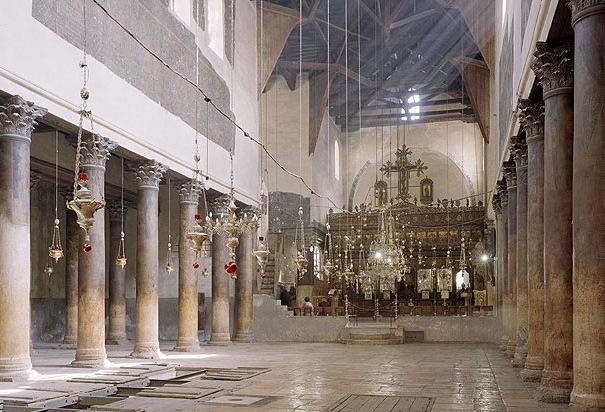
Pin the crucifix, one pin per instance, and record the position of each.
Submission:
(404, 168)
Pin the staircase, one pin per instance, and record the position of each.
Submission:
(372, 335)
(268, 285)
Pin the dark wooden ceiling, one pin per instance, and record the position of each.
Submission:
(400, 48)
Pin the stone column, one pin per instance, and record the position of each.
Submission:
(554, 68)
(588, 20)
(72, 247)
(220, 282)
(519, 149)
(244, 285)
(17, 120)
(511, 187)
(90, 350)
(117, 277)
(504, 265)
(147, 344)
(497, 207)
(187, 340)
(532, 119)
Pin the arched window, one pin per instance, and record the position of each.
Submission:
(336, 160)
(216, 26)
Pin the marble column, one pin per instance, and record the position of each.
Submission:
(497, 207)
(519, 149)
(244, 284)
(554, 69)
(531, 116)
(117, 277)
(90, 349)
(187, 340)
(511, 188)
(148, 175)
(504, 265)
(220, 282)
(72, 247)
(17, 120)
(588, 20)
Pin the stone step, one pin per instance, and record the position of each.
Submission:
(378, 336)
(388, 341)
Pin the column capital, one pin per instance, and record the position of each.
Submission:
(34, 179)
(496, 205)
(148, 173)
(519, 151)
(18, 116)
(581, 9)
(220, 205)
(501, 187)
(510, 175)
(553, 66)
(531, 117)
(114, 208)
(189, 191)
(95, 150)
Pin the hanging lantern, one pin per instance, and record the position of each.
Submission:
(85, 206)
(56, 251)
(231, 269)
(121, 258)
(262, 255)
(197, 236)
(300, 259)
(462, 255)
(169, 268)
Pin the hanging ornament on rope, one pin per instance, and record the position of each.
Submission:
(299, 243)
(55, 251)
(262, 255)
(121, 257)
(329, 253)
(83, 203)
(169, 268)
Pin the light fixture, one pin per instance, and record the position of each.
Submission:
(121, 257)
(262, 255)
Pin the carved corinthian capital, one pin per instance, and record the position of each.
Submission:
(114, 208)
(553, 66)
(496, 202)
(18, 116)
(501, 185)
(96, 149)
(148, 173)
(584, 8)
(189, 191)
(510, 174)
(519, 151)
(531, 116)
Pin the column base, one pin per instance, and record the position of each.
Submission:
(533, 369)
(243, 337)
(89, 358)
(116, 340)
(519, 357)
(587, 402)
(555, 388)
(146, 351)
(510, 350)
(503, 344)
(220, 339)
(70, 340)
(15, 369)
(187, 345)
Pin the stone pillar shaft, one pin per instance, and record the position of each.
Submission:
(147, 343)
(220, 291)
(520, 150)
(532, 118)
(90, 350)
(17, 119)
(512, 259)
(117, 279)
(187, 340)
(554, 69)
(588, 207)
(72, 247)
(244, 287)
(506, 298)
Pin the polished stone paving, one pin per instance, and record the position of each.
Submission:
(314, 376)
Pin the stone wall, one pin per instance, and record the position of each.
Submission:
(452, 328)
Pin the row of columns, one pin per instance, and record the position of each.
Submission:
(550, 219)
(85, 271)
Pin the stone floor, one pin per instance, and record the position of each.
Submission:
(313, 377)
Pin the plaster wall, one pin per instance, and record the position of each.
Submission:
(453, 152)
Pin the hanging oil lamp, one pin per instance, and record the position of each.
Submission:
(328, 264)
(49, 266)
(121, 258)
(462, 255)
(232, 226)
(56, 251)
(262, 255)
(197, 236)
(301, 259)
(169, 268)
(85, 207)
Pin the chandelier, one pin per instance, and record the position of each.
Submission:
(299, 243)
(384, 255)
